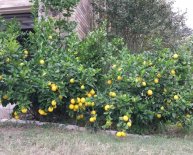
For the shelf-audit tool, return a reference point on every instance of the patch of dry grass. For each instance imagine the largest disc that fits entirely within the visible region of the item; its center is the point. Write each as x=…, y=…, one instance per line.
x=23, y=140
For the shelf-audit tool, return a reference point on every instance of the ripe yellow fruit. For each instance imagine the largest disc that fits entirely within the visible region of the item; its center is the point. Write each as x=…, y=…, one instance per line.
x=55, y=106
x=120, y=69
x=92, y=119
x=50, y=37
x=175, y=56
x=188, y=116
x=176, y=97
x=78, y=100
x=26, y=52
x=71, y=106
x=42, y=62
x=16, y=117
x=5, y=97
x=60, y=97
x=109, y=82
x=76, y=107
x=159, y=75
x=53, y=103
x=15, y=113
x=54, y=87
x=156, y=80
x=41, y=112
x=93, y=112
x=173, y=72
x=119, y=78
x=80, y=104
x=149, y=92
x=158, y=116
x=92, y=92
x=49, y=83
x=162, y=108
x=1, y=77
x=8, y=60
x=82, y=100
x=179, y=125
x=89, y=95
x=125, y=118
x=129, y=124
x=24, y=110
x=92, y=104
x=82, y=87
x=50, y=109
x=119, y=134
x=107, y=107
x=123, y=134
x=112, y=94
x=144, y=84
x=72, y=101
x=114, y=66
x=72, y=81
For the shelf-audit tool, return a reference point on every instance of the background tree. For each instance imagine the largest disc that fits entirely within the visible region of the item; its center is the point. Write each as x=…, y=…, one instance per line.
x=140, y=22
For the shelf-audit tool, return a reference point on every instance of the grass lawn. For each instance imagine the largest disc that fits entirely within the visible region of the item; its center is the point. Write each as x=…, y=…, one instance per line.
x=25, y=140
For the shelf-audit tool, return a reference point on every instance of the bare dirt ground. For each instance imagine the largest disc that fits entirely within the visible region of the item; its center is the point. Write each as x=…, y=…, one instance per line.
x=33, y=140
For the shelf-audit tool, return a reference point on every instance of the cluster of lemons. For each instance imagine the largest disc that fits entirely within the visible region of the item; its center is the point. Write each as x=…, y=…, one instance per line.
x=81, y=103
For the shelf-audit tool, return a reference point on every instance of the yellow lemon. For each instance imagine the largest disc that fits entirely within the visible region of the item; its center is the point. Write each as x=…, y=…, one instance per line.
x=53, y=103
x=60, y=97
x=82, y=100
x=71, y=106
x=5, y=97
x=16, y=117
x=162, y=108
x=173, y=72
x=158, y=116
x=42, y=62
x=144, y=84
x=92, y=104
x=54, y=87
x=41, y=112
x=82, y=87
x=156, y=80
x=72, y=81
x=76, y=107
x=50, y=37
x=92, y=92
x=119, y=134
x=176, y=97
x=123, y=134
x=49, y=83
x=149, y=92
x=114, y=66
x=129, y=124
x=119, y=78
x=159, y=75
x=89, y=95
x=1, y=77
x=179, y=125
x=112, y=94
x=109, y=82
x=188, y=116
x=25, y=52
x=125, y=118
x=50, y=109
x=72, y=101
x=92, y=119
x=107, y=107
x=15, y=113
x=78, y=100
x=93, y=112
x=24, y=110
x=175, y=56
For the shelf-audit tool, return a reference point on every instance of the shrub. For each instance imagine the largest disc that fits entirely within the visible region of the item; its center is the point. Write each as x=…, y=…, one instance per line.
x=95, y=82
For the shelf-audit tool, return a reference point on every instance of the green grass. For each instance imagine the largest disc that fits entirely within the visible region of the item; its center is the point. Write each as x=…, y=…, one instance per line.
x=21, y=140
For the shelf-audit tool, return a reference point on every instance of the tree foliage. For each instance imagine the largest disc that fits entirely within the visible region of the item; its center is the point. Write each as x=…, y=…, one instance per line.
x=140, y=22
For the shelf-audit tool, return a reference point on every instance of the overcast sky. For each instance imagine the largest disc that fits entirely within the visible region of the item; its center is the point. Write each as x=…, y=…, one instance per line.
x=186, y=5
